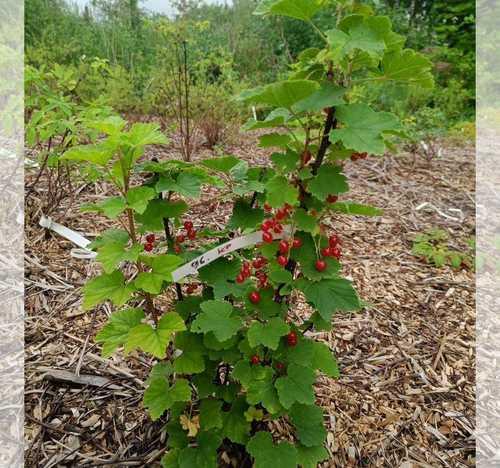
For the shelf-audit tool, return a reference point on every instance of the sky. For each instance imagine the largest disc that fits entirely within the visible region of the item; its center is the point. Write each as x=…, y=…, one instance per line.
x=158, y=6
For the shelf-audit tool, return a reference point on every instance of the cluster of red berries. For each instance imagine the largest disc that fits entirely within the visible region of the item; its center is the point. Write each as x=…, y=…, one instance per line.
x=150, y=240
x=356, y=156
x=333, y=250
x=271, y=225
x=190, y=233
x=332, y=198
x=191, y=288
x=246, y=271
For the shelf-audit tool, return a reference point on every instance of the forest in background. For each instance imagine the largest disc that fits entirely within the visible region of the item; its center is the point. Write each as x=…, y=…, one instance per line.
x=190, y=65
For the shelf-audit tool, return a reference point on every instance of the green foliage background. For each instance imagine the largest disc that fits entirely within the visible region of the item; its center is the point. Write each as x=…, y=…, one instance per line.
x=228, y=44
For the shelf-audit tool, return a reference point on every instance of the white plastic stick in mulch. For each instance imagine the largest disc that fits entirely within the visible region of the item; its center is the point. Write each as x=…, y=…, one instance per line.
x=444, y=215
x=82, y=252
x=190, y=268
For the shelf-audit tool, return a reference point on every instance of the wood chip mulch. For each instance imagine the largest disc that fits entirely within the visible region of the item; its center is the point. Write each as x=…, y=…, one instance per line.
x=406, y=396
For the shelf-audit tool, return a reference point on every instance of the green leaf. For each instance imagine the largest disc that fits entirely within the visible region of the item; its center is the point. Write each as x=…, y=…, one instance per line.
x=157, y=210
x=155, y=340
x=210, y=414
x=279, y=192
x=304, y=221
x=274, y=140
x=142, y=134
x=269, y=455
x=106, y=287
x=285, y=162
x=245, y=216
x=280, y=276
x=330, y=295
x=309, y=353
x=112, y=254
x=139, y=197
x=236, y=427
x=220, y=270
x=328, y=95
x=217, y=317
x=299, y=9
x=267, y=334
x=115, y=332
x=267, y=307
x=363, y=129
x=162, y=267
x=99, y=154
x=296, y=386
x=281, y=94
x=111, y=207
x=186, y=184
x=170, y=459
x=309, y=457
x=189, y=362
x=261, y=390
x=407, y=67
x=202, y=456
x=254, y=414
x=119, y=236
x=110, y=125
x=352, y=208
x=192, y=360
x=159, y=397
x=308, y=420
x=223, y=164
x=328, y=181
x=276, y=118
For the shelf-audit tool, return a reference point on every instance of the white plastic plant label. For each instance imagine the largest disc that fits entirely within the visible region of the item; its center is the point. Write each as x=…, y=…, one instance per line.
x=193, y=266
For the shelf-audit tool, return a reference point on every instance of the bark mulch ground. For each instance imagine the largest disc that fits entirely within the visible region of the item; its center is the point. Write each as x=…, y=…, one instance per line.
x=406, y=394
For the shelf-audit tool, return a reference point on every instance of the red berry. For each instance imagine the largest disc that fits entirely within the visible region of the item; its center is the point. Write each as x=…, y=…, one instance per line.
x=150, y=238
x=297, y=243
x=267, y=237
x=263, y=281
x=278, y=228
x=280, y=366
x=240, y=278
x=281, y=214
x=354, y=157
x=284, y=247
x=177, y=249
x=267, y=207
x=191, y=234
x=246, y=267
x=320, y=265
x=255, y=360
x=336, y=252
x=333, y=240
x=267, y=224
x=188, y=225
x=254, y=297
x=258, y=263
x=288, y=207
x=326, y=252
x=282, y=260
x=332, y=198
x=180, y=238
x=148, y=247
x=291, y=338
